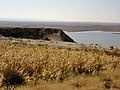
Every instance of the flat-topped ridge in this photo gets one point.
(50, 34)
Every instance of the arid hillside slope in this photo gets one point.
(36, 33)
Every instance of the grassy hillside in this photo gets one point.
(41, 67)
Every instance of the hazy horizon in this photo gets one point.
(45, 20)
(62, 10)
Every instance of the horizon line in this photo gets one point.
(51, 20)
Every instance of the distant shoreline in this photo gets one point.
(66, 26)
(69, 30)
(114, 32)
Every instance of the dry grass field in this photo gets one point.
(42, 67)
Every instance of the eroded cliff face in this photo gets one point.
(36, 33)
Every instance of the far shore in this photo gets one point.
(94, 30)
(66, 26)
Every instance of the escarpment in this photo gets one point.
(36, 33)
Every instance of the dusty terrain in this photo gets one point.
(66, 26)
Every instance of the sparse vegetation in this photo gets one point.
(41, 67)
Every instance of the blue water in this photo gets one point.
(96, 37)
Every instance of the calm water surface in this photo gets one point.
(96, 37)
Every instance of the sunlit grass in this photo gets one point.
(84, 68)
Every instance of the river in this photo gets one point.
(96, 37)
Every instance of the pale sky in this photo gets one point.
(63, 10)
